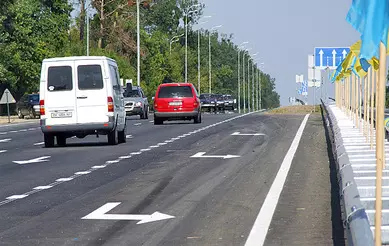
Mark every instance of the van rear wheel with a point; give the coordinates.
(49, 140)
(113, 137)
(122, 135)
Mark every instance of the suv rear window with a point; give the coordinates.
(175, 91)
(60, 78)
(90, 77)
(34, 98)
(133, 93)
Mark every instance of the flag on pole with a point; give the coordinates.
(371, 19)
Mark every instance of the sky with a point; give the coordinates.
(284, 33)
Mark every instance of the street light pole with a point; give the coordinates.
(174, 39)
(210, 59)
(253, 88)
(187, 12)
(239, 82)
(138, 40)
(248, 84)
(198, 62)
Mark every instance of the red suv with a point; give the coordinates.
(176, 101)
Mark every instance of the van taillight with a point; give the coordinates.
(42, 107)
(110, 104)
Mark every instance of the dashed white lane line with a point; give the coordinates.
(43, 187)
(14, 197)
(151, 121)
(6, 140)
(3, 151)
(64, 179)
(3, 133)
(129, 136)
(259, 231)
(40, 143)
(93, 168)
(99, 167)
(13, 131)
(82, 173)
(137, 124)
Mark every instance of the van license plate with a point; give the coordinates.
(61, 115)
(175, 103)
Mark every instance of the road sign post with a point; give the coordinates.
(7, 98)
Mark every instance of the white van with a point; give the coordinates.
(81, 96)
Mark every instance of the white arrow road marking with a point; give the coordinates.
(5, 140)
(36, 160)
(247, 134)
(101, 214)
(201, 155)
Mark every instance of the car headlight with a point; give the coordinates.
(138, 104)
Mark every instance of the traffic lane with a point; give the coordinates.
(196, 191)
(308, 211)
(13, 128)
(83, 154)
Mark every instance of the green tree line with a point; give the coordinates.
(33, 30)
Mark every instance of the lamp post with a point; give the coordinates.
(174, 39)
(241, 46)
(243, 81)
(259, 91)
(248, 79)
(210, 59)
(188, 12)
(198, 56)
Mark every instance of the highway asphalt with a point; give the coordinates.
(177, 169)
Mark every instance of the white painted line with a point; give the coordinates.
(13, 131)
(23, 130)
(112, 162)
(144, 150)
(31, 129)
(154, 146)
(137, 124)
(259, 231)
(129, 136)
(151, 121)
(14, 197)
(5, 140)
(82, 173)
(99, 167)
(64, 179)
(136, 153)
(40, 143)
(125, 157)
(3, 133)
(202, 155)
(174, 139)
(247, 134)
(43, 187)
(168, 141)
(3, 151)
(370, 199)
(160, 144)
(35, 160)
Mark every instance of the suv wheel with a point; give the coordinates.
(197, 119)
(49, 140)
(113, 137)
(147, 113)
(20, 115)
(158, 121)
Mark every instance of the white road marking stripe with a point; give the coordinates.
(160, 144)
(112, 162)
(40, 143)
(5, 140)
(64, 179)
(82, 173)
(14, 197)
(144, 150)
(259, 231)
(3, 133)
(125, 157)
(136, 153)
(99, 167)
(168, 141)
(45, 187)
(31, 129)
(3, 151)
(154, 146)
(23, 130)
(137, 124)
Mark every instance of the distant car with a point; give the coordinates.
(176, 101)
(135, 101)
(220, 102)
(28, 105)
(208, 101)
(229, 102)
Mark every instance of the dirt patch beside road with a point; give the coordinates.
(14, 120)
(300, 109)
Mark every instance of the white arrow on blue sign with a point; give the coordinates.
(330, 57)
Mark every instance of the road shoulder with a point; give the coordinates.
(308, 212)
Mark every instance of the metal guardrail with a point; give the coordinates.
(354, 216)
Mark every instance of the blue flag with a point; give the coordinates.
(371, 19)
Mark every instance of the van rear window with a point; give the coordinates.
(60, 78)
(175, 91)
(90, 77)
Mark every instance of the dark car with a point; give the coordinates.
(220, 102)
(229, 102)
(208, 102)
(28, 105)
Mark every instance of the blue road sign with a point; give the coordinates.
(330, 57)
(304, 87)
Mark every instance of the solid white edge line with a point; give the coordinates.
(261, 225)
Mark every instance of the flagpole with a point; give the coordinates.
(367, 112)
(372, 97)
(380, 138)
(360, 105)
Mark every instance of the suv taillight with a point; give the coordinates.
(110, 104)
(42, 107)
